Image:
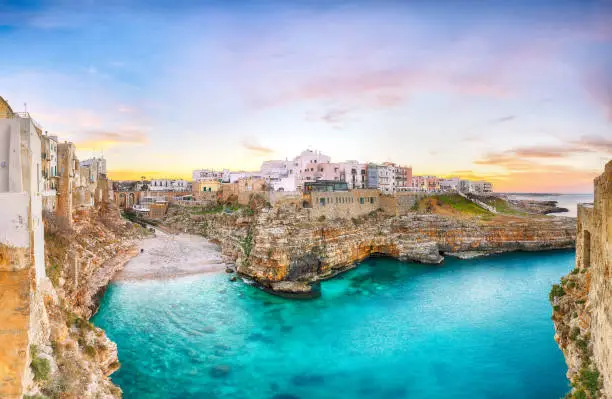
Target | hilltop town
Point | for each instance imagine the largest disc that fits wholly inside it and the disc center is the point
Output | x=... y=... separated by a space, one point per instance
x=310 y=171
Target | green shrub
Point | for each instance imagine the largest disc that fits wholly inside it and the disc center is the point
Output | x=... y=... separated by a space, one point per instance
x=575 y=271
x=589 y=379
x=54 y=272
x=571 y=284
x=89 y=350
x=40 y=366
x=556 y=308
x=574 y=333
x=583 y=346
x=555 y=292
x=579 y=394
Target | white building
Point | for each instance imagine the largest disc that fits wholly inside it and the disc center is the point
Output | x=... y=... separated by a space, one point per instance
x=96 y=165
x=450 y=184
x=381 y=177
x=21 y=186
x=169 y=185
x=355 y=174
x=476 y=187
x=211 y=174
x=305 y=165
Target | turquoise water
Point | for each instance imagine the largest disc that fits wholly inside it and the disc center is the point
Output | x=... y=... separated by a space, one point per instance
x=466 y=329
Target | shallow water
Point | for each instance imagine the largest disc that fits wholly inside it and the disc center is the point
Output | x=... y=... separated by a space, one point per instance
x=476 y=328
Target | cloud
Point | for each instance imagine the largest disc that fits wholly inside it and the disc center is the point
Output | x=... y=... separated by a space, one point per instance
x=595 y=143
x=335 y=116
x=597 y=81
x=502 y=119
x=254 y=147
x=519 y=158
x=95 y=139
x=377 y=84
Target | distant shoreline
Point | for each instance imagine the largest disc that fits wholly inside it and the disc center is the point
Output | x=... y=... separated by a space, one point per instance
x=545 y=194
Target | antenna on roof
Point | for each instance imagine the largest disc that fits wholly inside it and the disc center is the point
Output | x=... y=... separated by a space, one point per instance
x=25 y=107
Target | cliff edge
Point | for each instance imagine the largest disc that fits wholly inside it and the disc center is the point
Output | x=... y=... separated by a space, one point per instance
x=285 y=250
x=582 y=302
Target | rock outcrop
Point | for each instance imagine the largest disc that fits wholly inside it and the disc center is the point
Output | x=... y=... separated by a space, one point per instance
x=582 y=303
x=71 y=358
x=283 y=245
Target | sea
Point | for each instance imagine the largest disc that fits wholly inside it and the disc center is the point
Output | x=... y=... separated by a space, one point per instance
x=478 y=328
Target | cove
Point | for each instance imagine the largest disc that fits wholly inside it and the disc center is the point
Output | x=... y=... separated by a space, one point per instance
x=476 y=328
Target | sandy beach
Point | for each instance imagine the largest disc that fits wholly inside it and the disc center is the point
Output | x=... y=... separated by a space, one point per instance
x=172 y=255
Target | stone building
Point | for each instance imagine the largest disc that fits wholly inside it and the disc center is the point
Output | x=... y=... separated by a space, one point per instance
x=206 y=186
x=341 y=204
x=594 y=255
x=49 y=171
x=21 y=188
x=67 y=164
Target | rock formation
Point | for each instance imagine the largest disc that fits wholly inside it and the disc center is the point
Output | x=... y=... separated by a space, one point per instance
x=582 y=303
x=281 y=245
x=70 y=358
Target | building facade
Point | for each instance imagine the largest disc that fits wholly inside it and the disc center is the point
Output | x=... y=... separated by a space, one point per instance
x=49 y=171
x=169 y=185
x=21 y=188
x=354 y=174
x=211 y=174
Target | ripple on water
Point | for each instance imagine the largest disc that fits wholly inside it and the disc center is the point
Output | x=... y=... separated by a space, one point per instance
x=466 y=329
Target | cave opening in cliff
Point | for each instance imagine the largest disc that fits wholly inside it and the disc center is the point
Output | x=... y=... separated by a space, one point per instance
x=586 y=249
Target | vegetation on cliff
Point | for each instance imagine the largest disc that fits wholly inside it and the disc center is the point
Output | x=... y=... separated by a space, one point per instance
x=72 y=358
x=271 y=244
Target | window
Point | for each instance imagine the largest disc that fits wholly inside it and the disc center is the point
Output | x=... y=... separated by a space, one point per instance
x=361 y=200
x=322 y=201
x=371 y=200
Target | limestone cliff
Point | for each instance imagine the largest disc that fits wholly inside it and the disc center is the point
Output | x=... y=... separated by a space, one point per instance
x=279 y=246
x=70 y=357
x=582 y=303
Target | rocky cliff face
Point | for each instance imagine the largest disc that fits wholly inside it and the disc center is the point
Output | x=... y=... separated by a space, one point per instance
x=582 y=303
x=70 y=357
x=283 y=250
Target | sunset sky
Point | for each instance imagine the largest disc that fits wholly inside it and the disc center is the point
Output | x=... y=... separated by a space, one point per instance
x=517 y=92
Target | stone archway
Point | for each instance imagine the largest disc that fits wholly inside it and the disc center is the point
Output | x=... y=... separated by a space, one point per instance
x=130 y=200
x=122 y=201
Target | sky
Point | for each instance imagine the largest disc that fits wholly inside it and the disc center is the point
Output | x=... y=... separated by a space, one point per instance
x=515 y=92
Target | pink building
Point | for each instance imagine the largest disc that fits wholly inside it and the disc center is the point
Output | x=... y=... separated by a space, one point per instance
x=321 y=171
